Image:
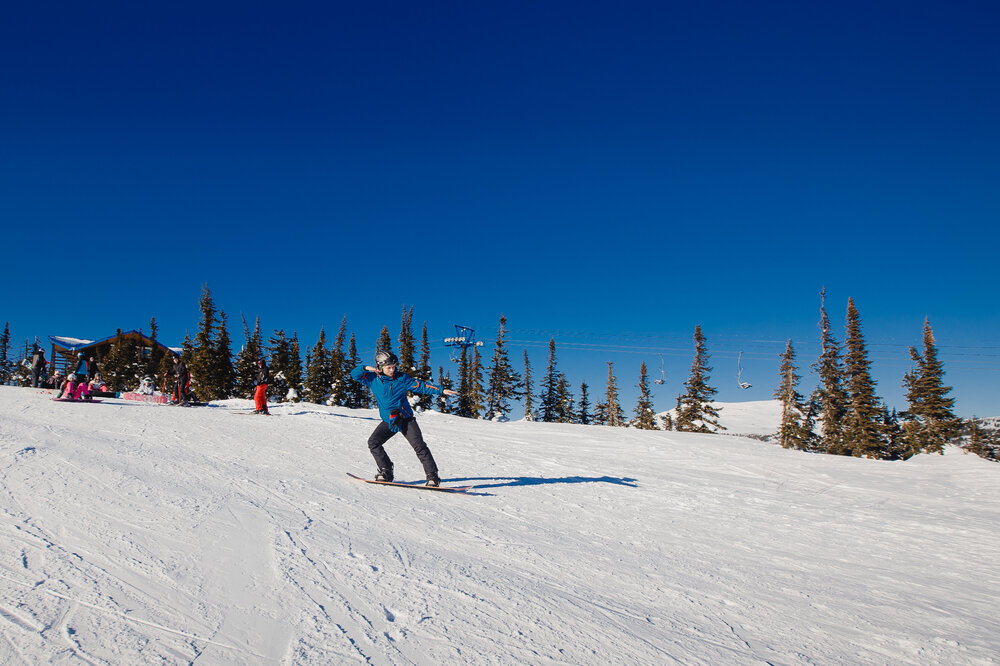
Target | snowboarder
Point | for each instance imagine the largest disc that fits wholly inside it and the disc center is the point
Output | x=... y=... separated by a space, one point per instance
x=78 y=376
x=76 y=389
x=183 y=377
x=146 y=386
x=390 y=389
x=260 y=394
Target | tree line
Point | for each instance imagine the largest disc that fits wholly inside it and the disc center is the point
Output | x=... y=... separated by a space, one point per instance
x=843 y=415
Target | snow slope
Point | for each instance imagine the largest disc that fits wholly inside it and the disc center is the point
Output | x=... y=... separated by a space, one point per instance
x=136 y=533
x=759 y=417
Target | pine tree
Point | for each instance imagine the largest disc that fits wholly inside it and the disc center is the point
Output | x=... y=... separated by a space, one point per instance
x=644 y=418
x=445 y=382
x=163 y=378
x=340 y=368
x=122 y=364
x=548 y=398
x=695 y=410
x=504 y=382
x=384 y=341
x=156 y=353
x=246 y=360
x=294 y=373
x=583 y=415
x=982 y=441
x=477 y=392
x=529 y=414
x=407 y=344
x=930 y=421
x=223 y=375
x=356 y=394
x=613 y=414
x=203 y=362
x=424 y=371
x=863 y=432
x=793 y=432
x=280 y=365
x=5 y=355
x=565 y=412
x=829 y=401
x=318 y=379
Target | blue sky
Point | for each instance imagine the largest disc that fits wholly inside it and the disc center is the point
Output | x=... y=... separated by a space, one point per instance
x=610 y=174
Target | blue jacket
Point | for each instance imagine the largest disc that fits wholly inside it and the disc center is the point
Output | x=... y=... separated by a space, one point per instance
x=390 y=394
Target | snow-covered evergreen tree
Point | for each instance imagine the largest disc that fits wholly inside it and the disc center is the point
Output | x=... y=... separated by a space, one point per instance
x=929 y=421
x=280 y=348
x=204 y=364
x=548 y=399
x=318 y=379
x=612 y=413
x=407 y=344
x=443 y=402
x=340 y=368
x=246 y=360
x=223 y=373
x=829 y=400
x=424 y=370
x=794 y=431
x=471 y=391
x=356 y=394
x=121 y=366
x=981 y=440
x=529 y=412
x=156 y=353
x=695 y=410
x=864 y=434
x=644 y=417
x=5 y=355
x=384 y=341
x=294 y=374
x=504 y=382
x=584 y=416
x=565 y=406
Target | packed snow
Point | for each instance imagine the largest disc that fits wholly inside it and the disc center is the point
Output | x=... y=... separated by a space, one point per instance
x=135 y=533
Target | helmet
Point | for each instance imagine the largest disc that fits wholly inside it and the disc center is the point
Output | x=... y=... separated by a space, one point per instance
x=384 y=358
x=71 y=377
x=147 y=380
x=81 y=355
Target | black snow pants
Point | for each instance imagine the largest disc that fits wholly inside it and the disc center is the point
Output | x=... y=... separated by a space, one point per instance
x=411 y=431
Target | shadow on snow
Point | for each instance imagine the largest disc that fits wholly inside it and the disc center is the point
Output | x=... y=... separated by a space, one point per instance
x=511 y=481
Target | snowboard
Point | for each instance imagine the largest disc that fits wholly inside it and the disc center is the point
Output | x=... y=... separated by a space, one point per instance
x=443 y=489
x=70 y=400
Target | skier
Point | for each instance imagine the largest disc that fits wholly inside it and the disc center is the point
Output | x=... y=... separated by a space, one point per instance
x=390 y=389
x=183 y=377
x=260 y=394
x=37 y=366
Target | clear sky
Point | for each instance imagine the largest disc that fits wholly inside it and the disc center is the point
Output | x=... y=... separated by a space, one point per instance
x=608 y=173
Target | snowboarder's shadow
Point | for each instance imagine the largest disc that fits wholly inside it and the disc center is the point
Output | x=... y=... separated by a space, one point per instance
x=511 y=481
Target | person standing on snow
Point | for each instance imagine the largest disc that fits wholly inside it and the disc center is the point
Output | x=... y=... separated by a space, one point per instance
x=183 y=377
x=390 y=389
x=37 y=366
x=260 y=394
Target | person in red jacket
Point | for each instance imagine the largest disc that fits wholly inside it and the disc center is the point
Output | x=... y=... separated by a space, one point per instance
x=260 y=394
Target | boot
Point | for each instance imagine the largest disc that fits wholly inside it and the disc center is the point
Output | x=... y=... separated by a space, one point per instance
x=433 y=481
x=384 y=474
